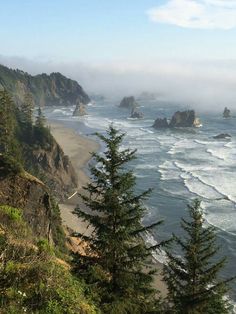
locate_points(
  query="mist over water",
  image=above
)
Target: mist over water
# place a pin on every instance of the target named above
(204, 85)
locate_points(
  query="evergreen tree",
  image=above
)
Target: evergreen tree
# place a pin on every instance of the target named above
(27, 108)
(7, 123)
(116, 254)
(40, 119)
(193, 284)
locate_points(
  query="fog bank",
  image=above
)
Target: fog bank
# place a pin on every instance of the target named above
(205, 84)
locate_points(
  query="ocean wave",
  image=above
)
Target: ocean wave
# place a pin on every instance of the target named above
(61, 111)
(211, 177)
(159, 254)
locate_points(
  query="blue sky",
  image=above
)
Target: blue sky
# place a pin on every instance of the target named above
(184, 49)
(107, 30)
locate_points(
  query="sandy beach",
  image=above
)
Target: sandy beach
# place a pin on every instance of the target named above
(79, 149)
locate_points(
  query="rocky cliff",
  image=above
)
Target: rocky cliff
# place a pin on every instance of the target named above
(47, 90)
(54, 168)
(26, 192)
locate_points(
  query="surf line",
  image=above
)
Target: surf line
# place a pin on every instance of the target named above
(72, 195)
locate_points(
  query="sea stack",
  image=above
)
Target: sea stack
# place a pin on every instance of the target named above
(79, 110)
(135, 114)
(226, 113)
(181, 119)
(128, 102)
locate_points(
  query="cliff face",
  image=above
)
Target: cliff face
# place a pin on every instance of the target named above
(56, 169)
(47, 90)
(29, 194)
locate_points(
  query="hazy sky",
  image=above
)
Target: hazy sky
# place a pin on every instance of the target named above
(100, 42)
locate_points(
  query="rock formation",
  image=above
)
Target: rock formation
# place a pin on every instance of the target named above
(135, 114)
(161, 123)
(29, 194)
(183, 119)
(129, 102)
(226, 113)
(179, 119)
(56, 169)
(222, 136)
(47, 90)
(79, 110)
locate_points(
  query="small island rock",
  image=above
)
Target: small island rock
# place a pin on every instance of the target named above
(79, 110)
(226, 113)
(181, 119)
(160, 123)
(222, 136)
(135, 114)
(128, 102)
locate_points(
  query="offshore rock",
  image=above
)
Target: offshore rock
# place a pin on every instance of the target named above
(135, 114)
(183, 119)
(226, 113)
(79, 110)
(128, 102)
(160, 123)
(222, 136)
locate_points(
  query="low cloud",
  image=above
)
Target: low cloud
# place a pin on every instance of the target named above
(202, 85)
(198, 14)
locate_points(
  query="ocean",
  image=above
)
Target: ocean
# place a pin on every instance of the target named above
(179, 164)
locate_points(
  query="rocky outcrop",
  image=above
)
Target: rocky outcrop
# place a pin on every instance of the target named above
(226, 113)
(79, 110)
(29, 194)
(222, 136)
(128, 102)
(161, 123)
(55, 168)
(183, 119)
(135, 114)
(179, 119)
(47, 90)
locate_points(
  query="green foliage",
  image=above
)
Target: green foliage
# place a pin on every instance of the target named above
(115, 248)
(32, 280)
(13, 213)
(58, 233)
(9, 165)
(42, 137)
(193, 284)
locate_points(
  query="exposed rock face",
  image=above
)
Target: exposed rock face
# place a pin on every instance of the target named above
(183, 119)
(47, 90)
(160, 123)
(180, 119)
(79, 110)
(29, 194)
(135, 114)
(128, 102)
(56, 168)
(226, 113)
(222, 136)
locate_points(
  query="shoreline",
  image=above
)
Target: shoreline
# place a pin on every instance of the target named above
(78, 148)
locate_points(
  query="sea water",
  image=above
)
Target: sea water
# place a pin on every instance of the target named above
(179, 164)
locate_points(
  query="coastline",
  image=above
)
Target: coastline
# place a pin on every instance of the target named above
(79, 149)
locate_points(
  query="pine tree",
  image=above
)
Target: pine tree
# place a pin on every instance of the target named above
(27, 108)
(7, 123)
(40, 119)
(193, 284)
(116, 254)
